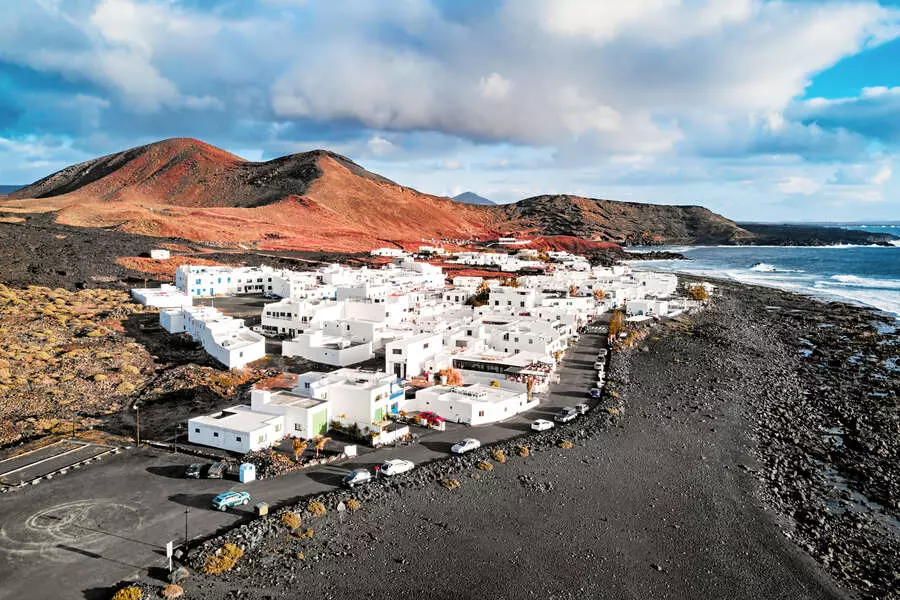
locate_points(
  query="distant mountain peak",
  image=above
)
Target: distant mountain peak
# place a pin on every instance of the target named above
(473, 198)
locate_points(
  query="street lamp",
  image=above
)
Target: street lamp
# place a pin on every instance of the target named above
(187, 511)
(74, 414)
(137, 437)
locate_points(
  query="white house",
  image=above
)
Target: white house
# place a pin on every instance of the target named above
(475, 404)
(236, 429)
(224, 338)
(165, 296)
(410, 356)
(648, 307)
(317, 346)
(160, 254)
(304, 417)
(389, 252)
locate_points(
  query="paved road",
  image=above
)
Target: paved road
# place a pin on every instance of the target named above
(111, 521)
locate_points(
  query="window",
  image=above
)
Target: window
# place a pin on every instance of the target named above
(522, 304)
(396, 351)
(480, 413)
(298, 427)
(261, 439)
(215, 434)
(237, 438)
(425, 345)
(196, 430)
(277, 427)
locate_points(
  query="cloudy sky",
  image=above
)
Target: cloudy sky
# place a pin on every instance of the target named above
(757, 109)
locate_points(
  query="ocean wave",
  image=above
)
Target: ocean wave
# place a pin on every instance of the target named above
(861, 282)
(763, 268)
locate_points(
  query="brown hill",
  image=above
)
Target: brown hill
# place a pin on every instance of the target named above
(321, 200)
(621, 222)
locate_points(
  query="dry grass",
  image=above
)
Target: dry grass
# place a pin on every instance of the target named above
(128, 593)
(484, 466)
(499, 456)
(353, 505)
(172, 591)
(450, 484)
(12, 220)
(307, 533)
(523, 451)
(300, 556)
(291, 520)
(223, 560)
(566, 444)
(316, 509)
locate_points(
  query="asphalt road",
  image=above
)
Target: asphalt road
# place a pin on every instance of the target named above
(75, 536)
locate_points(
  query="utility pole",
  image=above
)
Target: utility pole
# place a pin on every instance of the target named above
(73, 423)
(186, 513)
(137, 410)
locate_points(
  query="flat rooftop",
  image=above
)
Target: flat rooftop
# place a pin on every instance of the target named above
(236, 418)
(285, 398)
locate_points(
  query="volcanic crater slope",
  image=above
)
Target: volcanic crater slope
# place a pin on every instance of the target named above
(320, 200)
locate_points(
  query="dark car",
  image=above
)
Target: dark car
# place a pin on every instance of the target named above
(216, 470)
(192, 471)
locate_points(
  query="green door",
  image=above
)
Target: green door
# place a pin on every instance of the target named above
(320, 422)
(379, 415)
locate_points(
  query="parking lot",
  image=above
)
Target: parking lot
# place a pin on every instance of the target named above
(112, 520)
(46, 462)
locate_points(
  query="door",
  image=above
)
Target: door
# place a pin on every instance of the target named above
(320, 423)
(379, 415)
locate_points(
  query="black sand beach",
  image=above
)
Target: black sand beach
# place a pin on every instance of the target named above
(746, 462)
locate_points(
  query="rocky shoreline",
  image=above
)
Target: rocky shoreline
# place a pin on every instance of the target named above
(742, 453)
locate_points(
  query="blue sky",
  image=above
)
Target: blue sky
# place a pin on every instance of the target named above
(756, 109)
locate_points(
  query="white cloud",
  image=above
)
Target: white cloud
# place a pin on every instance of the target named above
(494, 87)
(379, 146)
(799, 185)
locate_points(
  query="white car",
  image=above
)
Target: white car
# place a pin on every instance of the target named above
(358, 477)
(602, 353)
(541, 425)
(466, 445)
(582, 408)
(396, 466)
(600, 365)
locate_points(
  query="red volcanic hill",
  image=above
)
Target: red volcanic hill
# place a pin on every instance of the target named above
(320, 200)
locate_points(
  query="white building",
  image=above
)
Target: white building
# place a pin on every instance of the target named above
(333, 350)
(224, 338)
(236, 429)
(160, 254)
(410, 356)
(389, 252)
(475, 404)
(165, 296)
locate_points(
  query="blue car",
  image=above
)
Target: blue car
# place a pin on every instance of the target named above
(226, 500)
(594, 393)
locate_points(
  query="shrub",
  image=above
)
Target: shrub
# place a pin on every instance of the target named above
(454, 377)
(524, 451)
(450, 484)
(499, 456)
(495, 383)
(131, 370)
(223, 560)
(484, 466)
(698, 292)
(100, 377)
(172, 591)
(128, 593)
(307, 533)
(317, 509)
(353, 505)
(94, 333)
(124, 388)
(566, 444)
(291, 520)
(613, 411)
(300, 556)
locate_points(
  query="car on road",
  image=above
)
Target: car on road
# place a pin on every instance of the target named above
(594, 392)
(602, 353)
(216, 470)
(565, 414)
(193, 470)
(430, 419)
(576, 338)
(226, 500)
(599, 365)
(541, 425)
(357, 477)
(599, 383)
(396, 466)
(582, 408)
(466, 445)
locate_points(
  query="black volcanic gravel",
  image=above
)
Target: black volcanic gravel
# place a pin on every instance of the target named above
(699, 488)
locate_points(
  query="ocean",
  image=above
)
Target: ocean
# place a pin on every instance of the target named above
(866, 275)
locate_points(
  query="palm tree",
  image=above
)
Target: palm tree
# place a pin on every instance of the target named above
(320, 444)
(300, 447)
